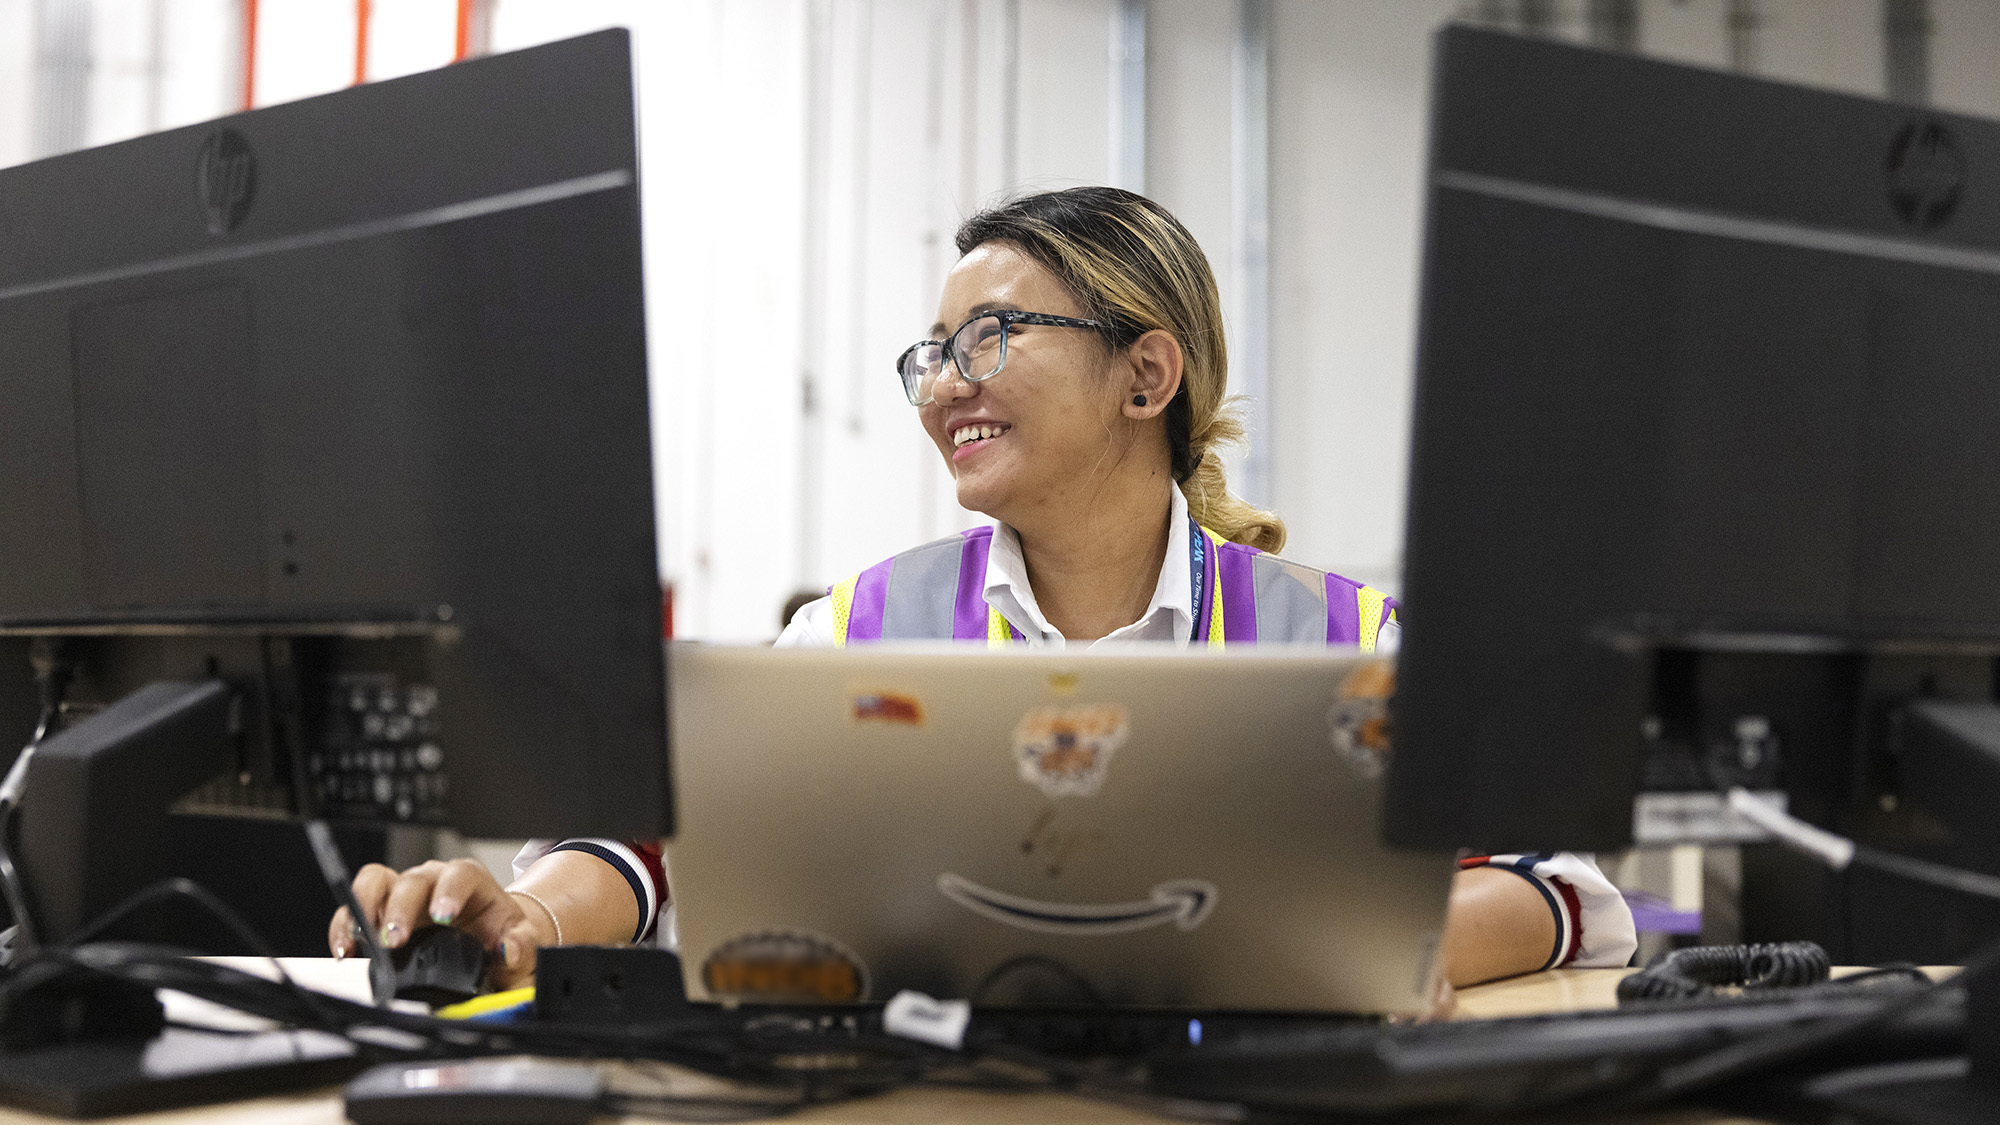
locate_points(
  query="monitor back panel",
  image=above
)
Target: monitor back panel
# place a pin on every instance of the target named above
(1703, 360)
(374, 361)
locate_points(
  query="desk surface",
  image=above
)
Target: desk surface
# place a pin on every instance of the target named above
(1555, 991)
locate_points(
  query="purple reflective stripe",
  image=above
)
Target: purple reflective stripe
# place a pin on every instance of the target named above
(1343, 612)
(864, 613)
(1239, 594)
(968, 614)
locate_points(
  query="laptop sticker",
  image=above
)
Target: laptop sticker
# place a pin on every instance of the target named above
(1064, 751)
(887, 707)
(791, 966)
(1183, 902)
(1358, 721)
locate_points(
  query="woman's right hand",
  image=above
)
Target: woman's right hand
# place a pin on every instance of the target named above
(459, 892)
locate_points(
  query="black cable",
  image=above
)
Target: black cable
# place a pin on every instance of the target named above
(177, 887)
(1701, 969)
(333, 869)
(53, 672)
(26, 938)
(1014, 966)
(1748, 1056)
(1744, 1057)
(780, 1052)
(713, 1041)
(1899, 969)
(1973, 883)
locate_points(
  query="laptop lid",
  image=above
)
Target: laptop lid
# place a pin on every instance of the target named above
(1143, 827)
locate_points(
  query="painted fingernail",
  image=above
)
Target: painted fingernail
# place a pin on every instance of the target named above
(392, 935)
(510, 953)
(443, 911)
(340, 953)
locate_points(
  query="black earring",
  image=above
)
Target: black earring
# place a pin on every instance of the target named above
(1138, 400)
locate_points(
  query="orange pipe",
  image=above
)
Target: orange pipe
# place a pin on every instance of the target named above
(249, 54)
(361, 41)
(464, 31)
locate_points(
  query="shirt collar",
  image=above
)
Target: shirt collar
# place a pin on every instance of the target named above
(1169, 617)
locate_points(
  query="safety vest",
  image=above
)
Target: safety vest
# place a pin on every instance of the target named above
(938, 591)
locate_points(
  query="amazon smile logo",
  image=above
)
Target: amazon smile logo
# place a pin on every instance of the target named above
(1183, 902)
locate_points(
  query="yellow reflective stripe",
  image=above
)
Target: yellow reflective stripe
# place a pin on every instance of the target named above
(843, 601)
(1212, 564)
(997, 633)
(1369, 601)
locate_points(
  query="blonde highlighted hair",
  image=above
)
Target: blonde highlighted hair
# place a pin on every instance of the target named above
(1134, 267)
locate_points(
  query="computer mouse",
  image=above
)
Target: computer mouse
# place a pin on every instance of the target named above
(439, 965)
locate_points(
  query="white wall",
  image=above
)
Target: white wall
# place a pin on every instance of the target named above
(1347, 162)
(1816, 43)
(805, 163)
(1965, 56)
(17, 81)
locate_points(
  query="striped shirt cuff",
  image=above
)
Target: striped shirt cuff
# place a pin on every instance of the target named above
(627, 863)
(1561, 898)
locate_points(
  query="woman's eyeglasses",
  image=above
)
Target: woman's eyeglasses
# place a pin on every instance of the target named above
(978, 350)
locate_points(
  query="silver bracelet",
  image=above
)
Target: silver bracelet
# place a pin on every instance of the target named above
(546, 909)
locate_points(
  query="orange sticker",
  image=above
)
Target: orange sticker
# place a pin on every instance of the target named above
(786, 966)
(1358, 722)
(888, 707)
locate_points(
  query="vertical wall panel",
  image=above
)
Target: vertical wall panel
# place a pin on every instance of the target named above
(1188, 44)
(1249, 270)
(304, 47)
(1689, 31)
(892, 191)
(63, 63)
(17, 81)
(726, 335)
(123, 93)
(200, 56)
(1349, 86)
(406, 36)
(1836, 44)
(1965, 56)
(1066, 79)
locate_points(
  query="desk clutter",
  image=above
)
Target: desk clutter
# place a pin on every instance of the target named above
(79, 1046)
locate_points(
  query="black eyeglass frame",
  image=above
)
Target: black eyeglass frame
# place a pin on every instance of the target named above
(1008, 318)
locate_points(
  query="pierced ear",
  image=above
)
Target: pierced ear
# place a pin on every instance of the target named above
(1154, 366)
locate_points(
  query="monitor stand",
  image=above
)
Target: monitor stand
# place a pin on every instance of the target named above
(93, 825)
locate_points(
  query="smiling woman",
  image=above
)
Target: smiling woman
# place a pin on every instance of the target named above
(1075, 383)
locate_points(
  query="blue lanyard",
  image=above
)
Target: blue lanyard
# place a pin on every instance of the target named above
(1195, 575)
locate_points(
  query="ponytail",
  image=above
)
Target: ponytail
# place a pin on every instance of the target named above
(1208, 497)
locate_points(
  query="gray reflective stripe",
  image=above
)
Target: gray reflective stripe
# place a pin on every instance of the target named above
(1291, 601)
(923, 589)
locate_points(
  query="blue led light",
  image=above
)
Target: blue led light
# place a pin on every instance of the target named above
(1194, 1033)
